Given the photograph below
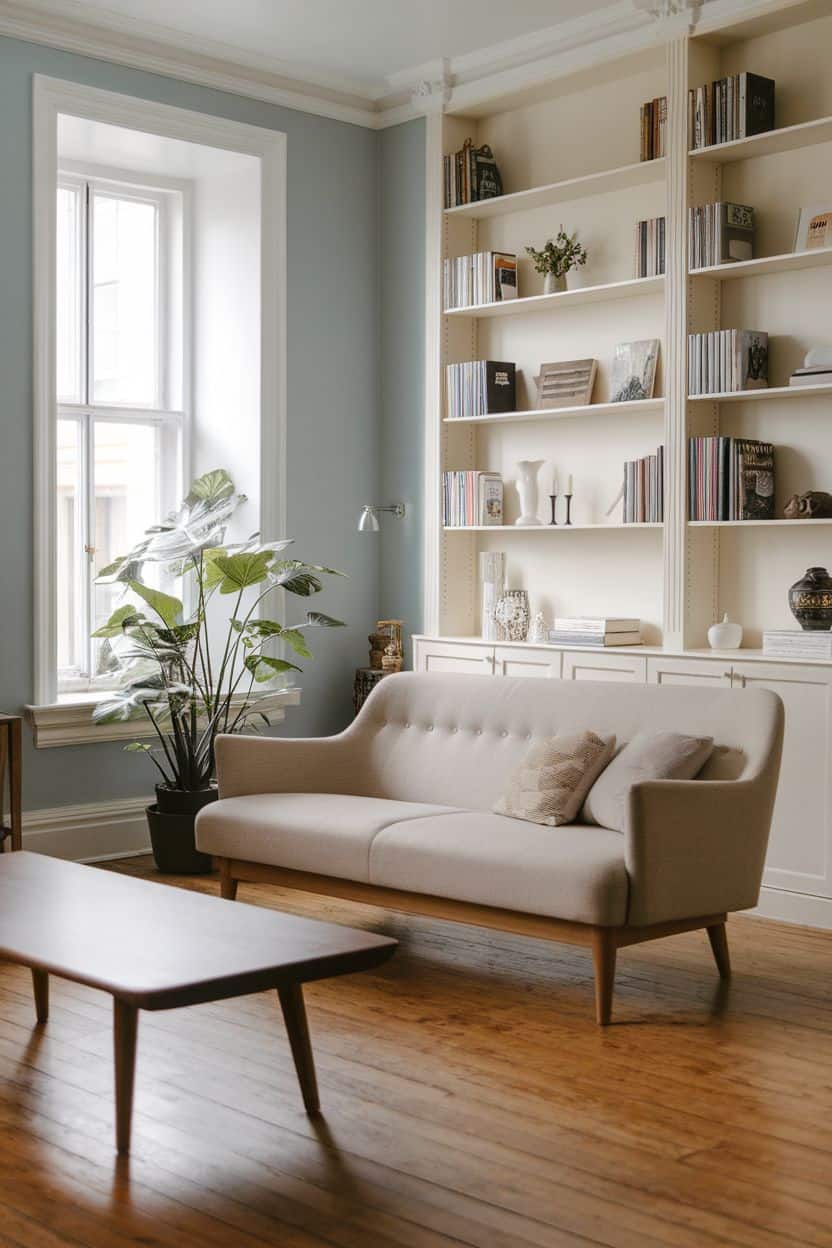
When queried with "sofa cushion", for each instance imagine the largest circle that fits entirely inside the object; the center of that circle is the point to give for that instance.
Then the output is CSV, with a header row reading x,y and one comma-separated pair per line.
x,y
569,872
326,833
649,756
555,776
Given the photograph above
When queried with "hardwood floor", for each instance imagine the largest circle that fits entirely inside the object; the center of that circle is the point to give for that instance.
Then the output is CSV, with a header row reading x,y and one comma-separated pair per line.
x,y
468,1099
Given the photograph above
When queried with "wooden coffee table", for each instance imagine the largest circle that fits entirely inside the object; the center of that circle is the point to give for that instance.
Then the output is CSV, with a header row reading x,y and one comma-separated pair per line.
x,y
154,947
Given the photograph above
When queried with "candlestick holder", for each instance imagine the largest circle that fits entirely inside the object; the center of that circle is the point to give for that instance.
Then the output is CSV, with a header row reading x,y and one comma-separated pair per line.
x,y
553,499
568,498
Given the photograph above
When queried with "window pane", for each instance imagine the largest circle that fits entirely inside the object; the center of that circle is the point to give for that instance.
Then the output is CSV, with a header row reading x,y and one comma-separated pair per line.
x,y
70,561
125,305
69,277
126,503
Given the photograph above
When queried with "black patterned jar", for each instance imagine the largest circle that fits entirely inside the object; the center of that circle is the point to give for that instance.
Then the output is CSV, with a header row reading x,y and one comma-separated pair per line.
x,y
810,599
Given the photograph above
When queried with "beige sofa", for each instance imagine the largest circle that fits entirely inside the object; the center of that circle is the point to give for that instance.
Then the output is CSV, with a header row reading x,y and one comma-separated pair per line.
x,y
397,811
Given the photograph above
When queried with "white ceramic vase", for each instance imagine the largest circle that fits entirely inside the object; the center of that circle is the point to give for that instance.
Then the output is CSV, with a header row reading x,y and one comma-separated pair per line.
x,y
527,489
553,285
725,635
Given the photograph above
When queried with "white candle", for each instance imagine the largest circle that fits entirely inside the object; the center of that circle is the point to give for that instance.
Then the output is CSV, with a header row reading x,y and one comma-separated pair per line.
x,y
554,483
569,484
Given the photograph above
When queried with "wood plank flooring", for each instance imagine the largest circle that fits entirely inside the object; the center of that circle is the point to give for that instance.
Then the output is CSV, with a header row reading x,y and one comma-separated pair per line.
x,y
468,1098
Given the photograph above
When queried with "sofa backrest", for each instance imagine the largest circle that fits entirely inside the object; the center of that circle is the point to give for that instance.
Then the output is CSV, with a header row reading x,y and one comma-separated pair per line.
x,y
455,739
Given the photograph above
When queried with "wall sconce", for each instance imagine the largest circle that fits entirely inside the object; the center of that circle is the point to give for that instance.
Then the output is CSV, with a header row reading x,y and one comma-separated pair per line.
x,y
368,520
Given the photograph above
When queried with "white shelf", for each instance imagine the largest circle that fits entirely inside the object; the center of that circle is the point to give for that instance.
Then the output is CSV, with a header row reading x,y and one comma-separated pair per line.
x,y
552,528
769,143
563,299
771,392
641,174
788,262
560,413
756,524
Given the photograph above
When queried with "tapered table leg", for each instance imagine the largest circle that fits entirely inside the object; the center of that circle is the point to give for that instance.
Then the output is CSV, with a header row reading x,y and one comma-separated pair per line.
x,y
719,944
294,1014
125,1029
40,984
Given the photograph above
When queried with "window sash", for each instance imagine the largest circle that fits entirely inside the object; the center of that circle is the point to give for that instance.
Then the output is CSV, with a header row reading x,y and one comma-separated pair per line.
x,y
171,422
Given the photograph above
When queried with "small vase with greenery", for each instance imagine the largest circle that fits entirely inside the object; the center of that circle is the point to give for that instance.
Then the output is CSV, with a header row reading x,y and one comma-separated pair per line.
x,y
195,671
557,259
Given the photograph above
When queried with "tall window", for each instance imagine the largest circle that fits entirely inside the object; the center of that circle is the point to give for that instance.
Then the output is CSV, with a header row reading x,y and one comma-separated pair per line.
x,y
120,425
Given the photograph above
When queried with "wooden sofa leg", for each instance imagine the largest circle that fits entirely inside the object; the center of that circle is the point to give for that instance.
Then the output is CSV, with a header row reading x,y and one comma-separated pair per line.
x,y
228,885
719,943
603,956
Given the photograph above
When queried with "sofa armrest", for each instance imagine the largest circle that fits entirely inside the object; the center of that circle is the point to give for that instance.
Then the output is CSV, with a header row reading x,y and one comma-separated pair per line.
x,y
248,764
696,847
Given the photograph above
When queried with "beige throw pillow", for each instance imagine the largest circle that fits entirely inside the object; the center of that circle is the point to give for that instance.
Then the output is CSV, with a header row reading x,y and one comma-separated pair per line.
x,y
649,756
555,777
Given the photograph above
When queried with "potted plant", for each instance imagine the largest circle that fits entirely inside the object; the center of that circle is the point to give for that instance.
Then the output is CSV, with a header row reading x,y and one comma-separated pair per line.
x,y
557,259
199,671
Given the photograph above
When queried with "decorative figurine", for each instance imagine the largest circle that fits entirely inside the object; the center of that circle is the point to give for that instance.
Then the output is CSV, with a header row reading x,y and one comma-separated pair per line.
x,y
539,630
813,505
393,656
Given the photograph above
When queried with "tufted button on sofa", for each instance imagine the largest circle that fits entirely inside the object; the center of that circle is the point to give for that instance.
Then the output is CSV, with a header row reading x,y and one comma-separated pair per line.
x,y
397,811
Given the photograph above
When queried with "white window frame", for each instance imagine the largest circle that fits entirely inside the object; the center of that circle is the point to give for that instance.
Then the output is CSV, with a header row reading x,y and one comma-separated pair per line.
x,y
171,198
52,98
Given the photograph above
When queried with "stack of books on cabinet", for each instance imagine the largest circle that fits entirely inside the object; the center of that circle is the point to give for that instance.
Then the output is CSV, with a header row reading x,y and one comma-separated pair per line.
x,y
731,479
796,643
480,388
485,277
720,233
730,108
727,359
472,498
598,631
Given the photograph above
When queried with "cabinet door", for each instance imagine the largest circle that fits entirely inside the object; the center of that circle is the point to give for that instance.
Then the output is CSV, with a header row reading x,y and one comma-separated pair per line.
x,y
526,661
800,850
605,665
452,656
670,671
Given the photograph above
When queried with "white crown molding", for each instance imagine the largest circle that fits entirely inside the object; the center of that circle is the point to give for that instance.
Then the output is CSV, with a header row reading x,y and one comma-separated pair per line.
x,y
463,82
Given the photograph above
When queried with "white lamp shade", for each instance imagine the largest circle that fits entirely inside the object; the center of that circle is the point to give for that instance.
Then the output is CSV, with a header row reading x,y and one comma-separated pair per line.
x,y
368,521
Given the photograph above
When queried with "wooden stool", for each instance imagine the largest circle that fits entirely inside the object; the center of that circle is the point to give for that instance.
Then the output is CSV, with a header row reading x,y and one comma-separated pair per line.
x,y
10,749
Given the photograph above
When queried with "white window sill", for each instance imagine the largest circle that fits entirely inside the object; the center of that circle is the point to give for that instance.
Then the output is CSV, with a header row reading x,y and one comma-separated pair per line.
x,y
69,720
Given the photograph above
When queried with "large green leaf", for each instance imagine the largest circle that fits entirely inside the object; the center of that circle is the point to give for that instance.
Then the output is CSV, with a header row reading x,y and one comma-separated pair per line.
x,y
263,668
168,608
297,641
242,571
121,618
211,574
317,619
211,487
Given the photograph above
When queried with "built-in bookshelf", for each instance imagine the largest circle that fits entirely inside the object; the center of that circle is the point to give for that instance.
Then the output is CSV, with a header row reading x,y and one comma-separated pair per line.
x,y
568,156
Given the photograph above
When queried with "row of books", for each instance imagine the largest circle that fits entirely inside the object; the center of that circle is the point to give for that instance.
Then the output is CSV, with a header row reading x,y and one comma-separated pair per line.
x,y
720,234
653,128
472,498
726,360
730,108
730,479
644,489
470,174
480,388
595,631
650,247
797,643
485,277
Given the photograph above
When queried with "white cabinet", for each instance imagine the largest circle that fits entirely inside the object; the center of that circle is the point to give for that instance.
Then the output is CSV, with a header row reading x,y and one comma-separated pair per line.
x,y
672,671
800,850
527,661
583,665
475,658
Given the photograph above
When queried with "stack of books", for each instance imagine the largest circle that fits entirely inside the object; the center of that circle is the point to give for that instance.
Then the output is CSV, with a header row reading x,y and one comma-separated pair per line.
x,y
472,498
644,489
480,388
599,631
650,247
730,479
720,234
727,359
795,643
485,277
470,174
730,108
819,376
653,128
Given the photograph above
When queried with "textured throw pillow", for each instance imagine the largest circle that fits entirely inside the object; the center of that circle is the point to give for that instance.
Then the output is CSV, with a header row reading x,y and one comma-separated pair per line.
x,y
649,756
555,777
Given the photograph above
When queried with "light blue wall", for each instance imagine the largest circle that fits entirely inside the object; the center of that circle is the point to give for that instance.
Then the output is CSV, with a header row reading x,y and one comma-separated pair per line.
x,y
334,344
402,302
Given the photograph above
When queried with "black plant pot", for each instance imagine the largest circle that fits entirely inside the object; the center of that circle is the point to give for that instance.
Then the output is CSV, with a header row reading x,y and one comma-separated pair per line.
x,y
171,821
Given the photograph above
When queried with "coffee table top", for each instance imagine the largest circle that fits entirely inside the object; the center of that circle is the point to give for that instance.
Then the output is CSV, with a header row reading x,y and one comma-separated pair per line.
x,y
159,947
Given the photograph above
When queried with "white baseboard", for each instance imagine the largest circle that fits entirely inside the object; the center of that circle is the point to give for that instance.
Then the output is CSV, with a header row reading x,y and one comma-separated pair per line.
x,y
91,832
802,908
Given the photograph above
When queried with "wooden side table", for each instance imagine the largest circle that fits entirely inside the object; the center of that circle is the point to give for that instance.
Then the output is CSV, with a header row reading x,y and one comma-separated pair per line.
x,y
366,679
11,737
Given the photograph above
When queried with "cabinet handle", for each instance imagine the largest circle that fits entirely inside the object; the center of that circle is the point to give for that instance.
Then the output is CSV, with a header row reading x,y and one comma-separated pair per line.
x,y
488,660
727,674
